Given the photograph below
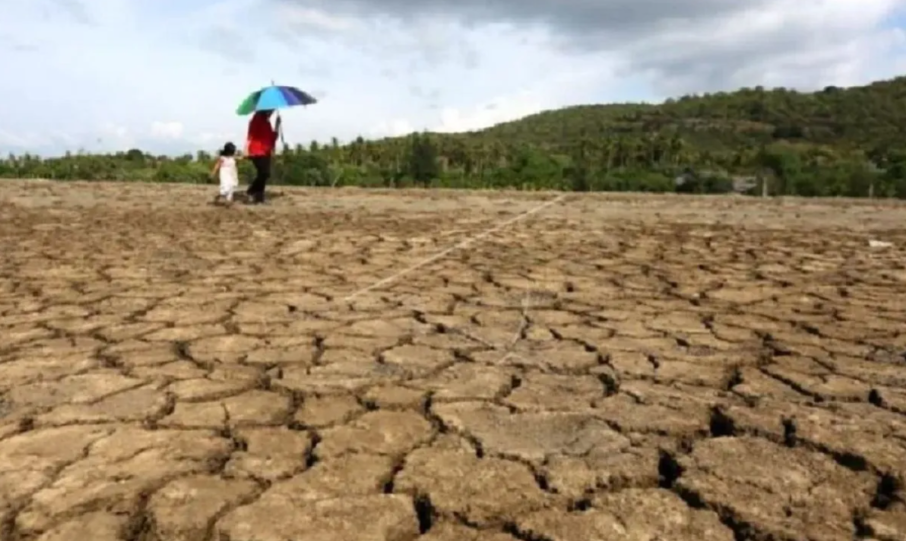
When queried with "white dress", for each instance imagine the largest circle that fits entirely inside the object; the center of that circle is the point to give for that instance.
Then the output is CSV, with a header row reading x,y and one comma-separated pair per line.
x,y
229,177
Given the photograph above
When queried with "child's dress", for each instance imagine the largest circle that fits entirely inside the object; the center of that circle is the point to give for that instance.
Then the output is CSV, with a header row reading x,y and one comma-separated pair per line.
x,y
229,177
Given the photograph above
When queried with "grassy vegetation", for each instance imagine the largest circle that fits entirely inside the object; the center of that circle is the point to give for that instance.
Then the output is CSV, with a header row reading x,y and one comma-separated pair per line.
x,y
838,141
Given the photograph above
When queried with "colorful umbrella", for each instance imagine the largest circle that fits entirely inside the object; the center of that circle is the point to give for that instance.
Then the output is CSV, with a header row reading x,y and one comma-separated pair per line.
x,y
274,97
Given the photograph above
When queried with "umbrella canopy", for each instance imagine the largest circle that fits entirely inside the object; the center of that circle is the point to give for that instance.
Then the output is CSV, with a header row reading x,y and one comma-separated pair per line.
x,y
274,97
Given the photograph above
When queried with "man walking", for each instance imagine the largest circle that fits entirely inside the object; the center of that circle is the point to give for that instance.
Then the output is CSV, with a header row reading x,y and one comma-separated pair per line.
x,y
259,147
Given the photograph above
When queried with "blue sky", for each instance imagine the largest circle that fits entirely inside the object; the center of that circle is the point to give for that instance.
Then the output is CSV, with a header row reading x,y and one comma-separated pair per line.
x,y
166,75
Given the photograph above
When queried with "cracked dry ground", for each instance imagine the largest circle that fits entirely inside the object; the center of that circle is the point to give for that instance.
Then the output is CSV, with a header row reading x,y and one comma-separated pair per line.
x,y
636,368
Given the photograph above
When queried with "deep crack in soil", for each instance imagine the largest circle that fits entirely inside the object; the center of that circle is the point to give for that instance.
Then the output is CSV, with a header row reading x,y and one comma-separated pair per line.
x,y
640,367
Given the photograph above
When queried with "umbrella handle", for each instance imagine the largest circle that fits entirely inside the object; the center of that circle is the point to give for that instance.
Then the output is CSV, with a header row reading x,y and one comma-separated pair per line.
x,y
280,130
282,140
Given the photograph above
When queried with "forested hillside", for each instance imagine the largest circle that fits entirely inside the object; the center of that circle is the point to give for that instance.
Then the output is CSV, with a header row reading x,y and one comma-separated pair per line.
x,y
838,141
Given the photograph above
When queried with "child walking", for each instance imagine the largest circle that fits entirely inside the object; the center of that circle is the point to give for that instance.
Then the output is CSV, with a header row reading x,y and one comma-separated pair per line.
x,y
229,174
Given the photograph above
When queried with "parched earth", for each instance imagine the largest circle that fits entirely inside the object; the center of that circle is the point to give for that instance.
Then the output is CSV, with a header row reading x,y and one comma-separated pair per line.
x,y
420,365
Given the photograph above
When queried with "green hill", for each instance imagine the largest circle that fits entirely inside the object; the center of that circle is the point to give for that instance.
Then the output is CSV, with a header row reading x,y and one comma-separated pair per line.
x,y
846,117
837,141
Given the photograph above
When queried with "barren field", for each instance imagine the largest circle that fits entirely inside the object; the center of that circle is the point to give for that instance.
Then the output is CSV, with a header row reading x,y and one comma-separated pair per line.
x,y
423,365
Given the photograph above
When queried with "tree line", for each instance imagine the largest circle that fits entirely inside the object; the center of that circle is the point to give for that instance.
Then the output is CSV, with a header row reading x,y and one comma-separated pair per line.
x,y
836,142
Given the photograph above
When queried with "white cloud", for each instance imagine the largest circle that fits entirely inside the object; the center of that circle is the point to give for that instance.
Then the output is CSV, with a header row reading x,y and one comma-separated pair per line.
x,y
19,140
115,131
316,18
404,65
393,128
167,130
208,139
495,111
806,44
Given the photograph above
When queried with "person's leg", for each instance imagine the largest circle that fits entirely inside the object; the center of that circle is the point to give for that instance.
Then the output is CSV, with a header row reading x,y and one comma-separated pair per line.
x,y
219,197
264,174
257,184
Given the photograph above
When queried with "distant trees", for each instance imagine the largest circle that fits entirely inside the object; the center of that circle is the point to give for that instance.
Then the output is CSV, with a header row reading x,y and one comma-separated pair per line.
x,y
609,164
846,142
422,159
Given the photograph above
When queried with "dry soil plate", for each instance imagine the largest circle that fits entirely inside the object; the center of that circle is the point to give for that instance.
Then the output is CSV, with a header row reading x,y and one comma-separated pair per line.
x,y
612,367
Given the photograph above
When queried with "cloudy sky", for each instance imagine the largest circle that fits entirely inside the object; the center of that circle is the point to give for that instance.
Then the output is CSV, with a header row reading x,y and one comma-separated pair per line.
x,y
166,75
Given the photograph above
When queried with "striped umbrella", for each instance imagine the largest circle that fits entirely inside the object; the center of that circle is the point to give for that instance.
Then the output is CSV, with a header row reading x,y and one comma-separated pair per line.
x,y
274,97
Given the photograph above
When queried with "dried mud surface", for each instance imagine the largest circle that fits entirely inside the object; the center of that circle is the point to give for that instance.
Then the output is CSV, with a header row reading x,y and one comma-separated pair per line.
x,y
610,367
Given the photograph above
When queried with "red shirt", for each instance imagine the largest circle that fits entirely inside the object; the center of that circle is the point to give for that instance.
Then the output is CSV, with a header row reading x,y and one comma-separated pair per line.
x,y
261,136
